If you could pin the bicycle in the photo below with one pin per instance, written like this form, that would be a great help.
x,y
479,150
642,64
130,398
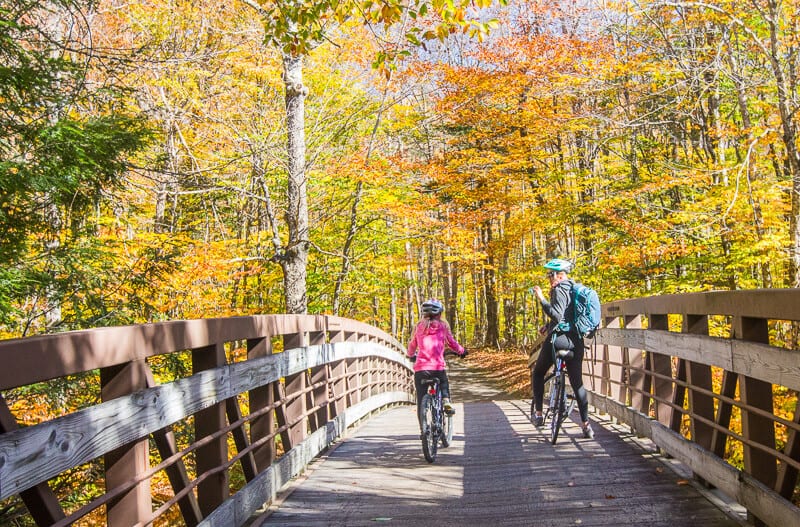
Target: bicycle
x,y
436,425
561,403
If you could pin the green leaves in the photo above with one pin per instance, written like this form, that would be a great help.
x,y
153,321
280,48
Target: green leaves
x,y
298,27
56,155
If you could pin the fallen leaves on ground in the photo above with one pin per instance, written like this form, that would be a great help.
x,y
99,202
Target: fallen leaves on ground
x,y
507,368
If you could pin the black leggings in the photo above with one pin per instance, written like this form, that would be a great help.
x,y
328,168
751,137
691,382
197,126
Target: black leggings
x,y
419,376
545,361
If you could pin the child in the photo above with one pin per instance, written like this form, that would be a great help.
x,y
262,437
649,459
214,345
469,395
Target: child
x,y
431,336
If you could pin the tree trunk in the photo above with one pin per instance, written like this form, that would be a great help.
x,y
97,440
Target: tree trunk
x,y
348,244
393,313
478,331
450,283
295,258
490,291
789,135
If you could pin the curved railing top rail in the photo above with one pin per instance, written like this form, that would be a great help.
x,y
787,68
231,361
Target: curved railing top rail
x,y
39,358
773,304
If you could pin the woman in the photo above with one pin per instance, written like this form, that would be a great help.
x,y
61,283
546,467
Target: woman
x,y
562,336
427,345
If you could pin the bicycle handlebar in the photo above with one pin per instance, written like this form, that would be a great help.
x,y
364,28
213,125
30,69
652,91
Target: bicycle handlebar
x,y
448,351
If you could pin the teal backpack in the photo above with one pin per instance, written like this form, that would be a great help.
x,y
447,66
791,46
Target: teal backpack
x,y
586,307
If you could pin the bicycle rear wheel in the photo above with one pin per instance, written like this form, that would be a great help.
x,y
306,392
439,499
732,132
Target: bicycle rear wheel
x,y
430,434
447,433
558,409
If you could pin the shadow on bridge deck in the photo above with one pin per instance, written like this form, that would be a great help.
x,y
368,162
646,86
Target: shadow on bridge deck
x,y
500,470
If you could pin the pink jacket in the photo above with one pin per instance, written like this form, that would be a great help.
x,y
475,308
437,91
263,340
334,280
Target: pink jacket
x,y
429,342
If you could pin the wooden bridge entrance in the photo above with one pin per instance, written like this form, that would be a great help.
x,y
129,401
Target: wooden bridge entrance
x,y
500,470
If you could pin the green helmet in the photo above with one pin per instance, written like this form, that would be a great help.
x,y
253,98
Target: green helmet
x,y
557,264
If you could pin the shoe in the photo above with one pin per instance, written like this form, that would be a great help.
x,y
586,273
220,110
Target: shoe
x,y
538,420
448,408
588,433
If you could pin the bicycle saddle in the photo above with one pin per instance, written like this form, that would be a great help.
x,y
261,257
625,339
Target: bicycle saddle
x,y
426,382
565,354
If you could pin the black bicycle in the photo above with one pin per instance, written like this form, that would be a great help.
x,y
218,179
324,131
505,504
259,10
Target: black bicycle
x,y
561,401
436,425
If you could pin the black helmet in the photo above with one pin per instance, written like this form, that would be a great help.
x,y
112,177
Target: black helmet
x,y
432,307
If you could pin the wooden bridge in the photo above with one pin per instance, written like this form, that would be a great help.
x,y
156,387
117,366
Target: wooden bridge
x,y
267,394
499,470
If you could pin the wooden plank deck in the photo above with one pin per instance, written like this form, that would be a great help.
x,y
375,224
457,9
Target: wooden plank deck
x,y
500,470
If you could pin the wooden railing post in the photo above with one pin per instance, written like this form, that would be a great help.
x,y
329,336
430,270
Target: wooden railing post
x,y
367,375
661,366
353,369
368,372
319,395
126,463
295,385
212,491
338,371
755,393
260,398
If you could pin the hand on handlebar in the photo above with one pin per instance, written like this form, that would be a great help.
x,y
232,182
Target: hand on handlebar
x,y
413,358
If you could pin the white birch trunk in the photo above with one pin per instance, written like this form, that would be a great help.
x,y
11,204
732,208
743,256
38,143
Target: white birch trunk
x,y
295,259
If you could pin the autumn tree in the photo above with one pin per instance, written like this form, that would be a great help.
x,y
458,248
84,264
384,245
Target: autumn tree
x,y
296,28
64,141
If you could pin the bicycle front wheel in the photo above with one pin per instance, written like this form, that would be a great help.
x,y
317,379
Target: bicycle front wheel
x,y
430,433
558,410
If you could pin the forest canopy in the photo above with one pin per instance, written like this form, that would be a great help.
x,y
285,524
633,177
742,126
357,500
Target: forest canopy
x,y
449,149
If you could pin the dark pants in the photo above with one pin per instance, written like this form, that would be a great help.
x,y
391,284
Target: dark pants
x,y
545,361
419,376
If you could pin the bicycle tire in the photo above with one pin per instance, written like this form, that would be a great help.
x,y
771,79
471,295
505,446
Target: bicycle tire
x,y
430,436
558,411
551,400
447,433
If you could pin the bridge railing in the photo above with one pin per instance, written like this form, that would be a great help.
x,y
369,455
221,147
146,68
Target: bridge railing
x,y
710,377
222,437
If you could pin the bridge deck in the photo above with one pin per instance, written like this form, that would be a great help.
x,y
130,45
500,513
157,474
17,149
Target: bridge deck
x,y
499,470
